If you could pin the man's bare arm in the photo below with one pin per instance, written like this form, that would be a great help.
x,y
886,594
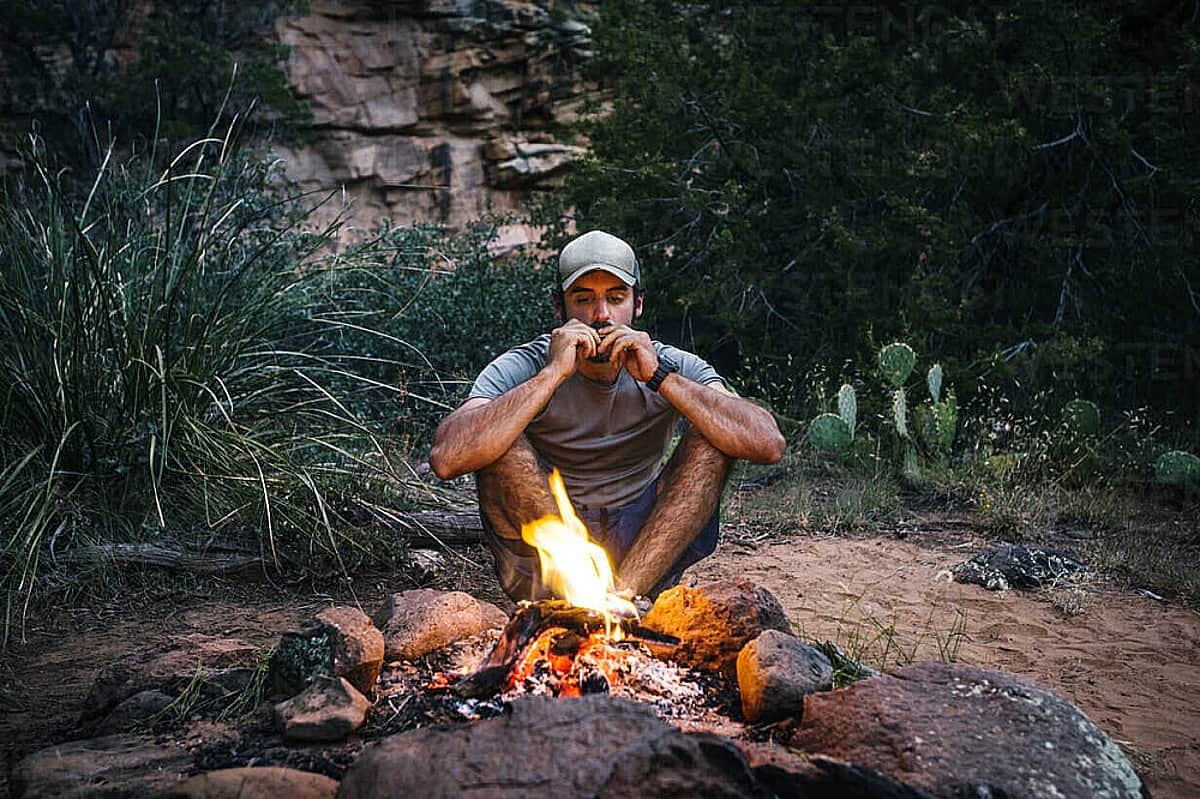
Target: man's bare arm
x,y
482,430
735,426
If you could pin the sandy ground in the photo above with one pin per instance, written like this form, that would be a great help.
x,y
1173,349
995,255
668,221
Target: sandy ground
x,y
1131,663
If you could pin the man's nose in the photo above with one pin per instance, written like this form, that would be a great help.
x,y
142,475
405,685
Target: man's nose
x,y
600,311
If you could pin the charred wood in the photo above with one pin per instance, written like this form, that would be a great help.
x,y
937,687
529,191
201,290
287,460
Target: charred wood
x,y
529,622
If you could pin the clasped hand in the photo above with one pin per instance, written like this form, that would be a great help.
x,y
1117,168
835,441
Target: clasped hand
x,y
622,344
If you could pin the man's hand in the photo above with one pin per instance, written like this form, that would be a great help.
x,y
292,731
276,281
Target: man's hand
x,y
568,343
630,348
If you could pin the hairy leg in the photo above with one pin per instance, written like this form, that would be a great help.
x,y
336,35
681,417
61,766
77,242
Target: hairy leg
x,y
688,494
514,489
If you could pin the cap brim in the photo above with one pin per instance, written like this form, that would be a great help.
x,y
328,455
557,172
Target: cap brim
x,y
625,277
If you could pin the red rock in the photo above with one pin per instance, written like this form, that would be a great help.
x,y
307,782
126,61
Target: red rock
x,y
249,783
417,622
339,642
775,672
714,621
151,668
955,730
114,765
595,747
329,709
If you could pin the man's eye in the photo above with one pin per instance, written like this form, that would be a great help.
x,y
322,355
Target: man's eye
x,y
616,298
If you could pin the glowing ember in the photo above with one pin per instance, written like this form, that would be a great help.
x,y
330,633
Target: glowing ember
x,y
572,566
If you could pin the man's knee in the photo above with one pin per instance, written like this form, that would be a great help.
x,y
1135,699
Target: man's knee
x,y
696,460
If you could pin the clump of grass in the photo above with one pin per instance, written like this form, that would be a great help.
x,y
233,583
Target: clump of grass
x,y
817,494
865,638
168,368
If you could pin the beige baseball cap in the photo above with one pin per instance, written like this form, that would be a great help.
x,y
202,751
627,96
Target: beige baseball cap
x,y
598,250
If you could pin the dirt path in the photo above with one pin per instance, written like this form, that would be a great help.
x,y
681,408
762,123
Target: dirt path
x,y
1131,663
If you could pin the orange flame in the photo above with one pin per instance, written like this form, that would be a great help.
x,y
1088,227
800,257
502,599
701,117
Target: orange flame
x,y
572,566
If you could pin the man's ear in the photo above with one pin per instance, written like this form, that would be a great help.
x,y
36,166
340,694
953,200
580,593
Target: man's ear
x,y
637,304
559,310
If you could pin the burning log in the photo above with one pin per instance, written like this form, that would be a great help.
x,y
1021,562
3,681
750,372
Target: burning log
x,y
566,631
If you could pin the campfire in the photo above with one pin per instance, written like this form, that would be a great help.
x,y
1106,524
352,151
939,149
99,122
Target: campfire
x,y
590,641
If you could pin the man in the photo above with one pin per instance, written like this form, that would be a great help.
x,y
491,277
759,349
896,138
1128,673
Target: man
x,y
598,400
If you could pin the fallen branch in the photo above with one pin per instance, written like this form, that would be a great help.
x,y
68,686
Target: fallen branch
x,y
442,526
166,555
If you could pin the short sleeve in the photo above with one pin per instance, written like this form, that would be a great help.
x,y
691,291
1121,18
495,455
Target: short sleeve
x,y
693,367
511,369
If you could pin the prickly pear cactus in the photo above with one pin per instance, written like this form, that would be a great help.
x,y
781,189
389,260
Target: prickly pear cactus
x,y
848,407
911,471
900,411
1177,468
946,421
896,362
1081,417
828,432
934,381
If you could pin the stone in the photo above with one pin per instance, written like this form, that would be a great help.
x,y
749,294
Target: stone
x,y
1016,566
414,623
110,766
775,672
139,710
957,731
534,164
339,642
246,783
150,668
714,621
594,746
329,709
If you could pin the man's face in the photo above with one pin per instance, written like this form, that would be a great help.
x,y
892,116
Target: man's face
x,y
600,299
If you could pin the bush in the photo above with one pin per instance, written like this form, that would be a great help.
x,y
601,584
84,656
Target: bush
x,y
811,184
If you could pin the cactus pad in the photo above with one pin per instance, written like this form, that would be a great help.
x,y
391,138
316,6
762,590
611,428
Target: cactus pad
x,y
934,381
896,362
1081,417
1177,468
829,433
848,407
900,412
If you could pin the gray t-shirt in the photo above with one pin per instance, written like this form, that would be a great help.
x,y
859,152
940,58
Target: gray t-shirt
x,y
607,440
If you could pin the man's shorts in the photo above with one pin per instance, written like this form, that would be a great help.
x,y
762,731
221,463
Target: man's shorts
x,y
615,530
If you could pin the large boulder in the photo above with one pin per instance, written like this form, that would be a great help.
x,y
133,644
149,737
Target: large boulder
x,y
247,783
775,672
414,623
957,731
339,642
595,747
714,621
111,766
329,709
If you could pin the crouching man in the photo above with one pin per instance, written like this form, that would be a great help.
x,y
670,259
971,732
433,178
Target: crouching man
x,y
598,400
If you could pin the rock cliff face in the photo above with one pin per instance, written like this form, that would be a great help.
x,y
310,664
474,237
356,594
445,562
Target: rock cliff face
x,y
435,110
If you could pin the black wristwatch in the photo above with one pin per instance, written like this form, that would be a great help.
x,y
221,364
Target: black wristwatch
x,y
665,368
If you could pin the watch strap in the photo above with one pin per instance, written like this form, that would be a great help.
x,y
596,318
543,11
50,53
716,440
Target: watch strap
x,y
660,374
